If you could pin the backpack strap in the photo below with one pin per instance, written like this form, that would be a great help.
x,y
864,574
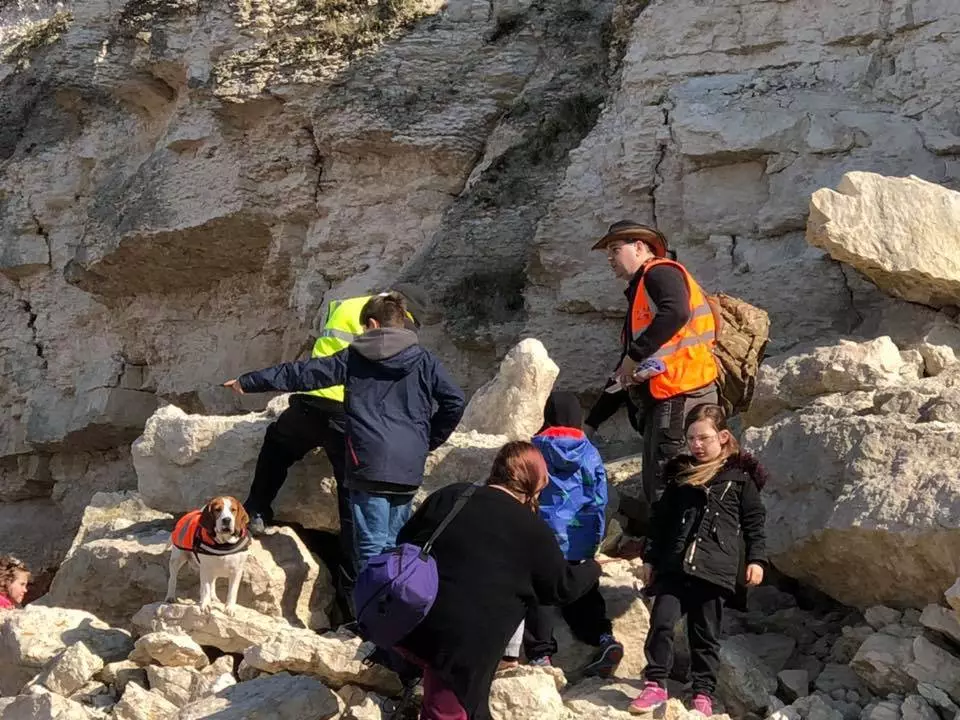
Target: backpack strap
x,y
458,506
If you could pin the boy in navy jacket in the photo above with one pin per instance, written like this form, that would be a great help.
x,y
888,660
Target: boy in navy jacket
x,y
391,385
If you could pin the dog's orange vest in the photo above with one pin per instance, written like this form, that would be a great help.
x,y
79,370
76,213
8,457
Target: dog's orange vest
x,y
188,534
191,536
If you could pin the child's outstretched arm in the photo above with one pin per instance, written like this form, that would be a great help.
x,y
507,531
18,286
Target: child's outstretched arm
x,y
311,374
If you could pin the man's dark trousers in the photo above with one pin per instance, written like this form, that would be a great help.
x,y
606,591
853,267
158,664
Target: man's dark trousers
x,y
662,424
308,423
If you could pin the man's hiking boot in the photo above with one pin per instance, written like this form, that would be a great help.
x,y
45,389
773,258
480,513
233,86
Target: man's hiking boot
x,y
607,659
257,526
544,661
651,699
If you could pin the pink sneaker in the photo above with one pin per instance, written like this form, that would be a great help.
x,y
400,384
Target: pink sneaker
x,y
652,697
703,703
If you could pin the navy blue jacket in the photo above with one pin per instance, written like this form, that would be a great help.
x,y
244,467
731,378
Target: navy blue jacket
x,y
391,386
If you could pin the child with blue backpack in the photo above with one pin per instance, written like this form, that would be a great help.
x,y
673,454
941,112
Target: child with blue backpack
x,y
574,505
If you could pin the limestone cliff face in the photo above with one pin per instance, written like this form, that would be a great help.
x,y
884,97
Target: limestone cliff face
x,y
726,118
184,184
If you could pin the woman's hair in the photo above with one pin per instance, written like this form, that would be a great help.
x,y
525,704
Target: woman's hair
x,y
9,567
520,468
702,473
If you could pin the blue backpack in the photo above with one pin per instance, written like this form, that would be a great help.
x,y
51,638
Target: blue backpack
x,y
396,589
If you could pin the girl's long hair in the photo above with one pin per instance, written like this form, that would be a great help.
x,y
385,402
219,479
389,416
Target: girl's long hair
x,y
702,473
9,567
520,468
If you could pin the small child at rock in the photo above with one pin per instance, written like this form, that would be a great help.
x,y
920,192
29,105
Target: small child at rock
x,y
14,578
574,505
694,553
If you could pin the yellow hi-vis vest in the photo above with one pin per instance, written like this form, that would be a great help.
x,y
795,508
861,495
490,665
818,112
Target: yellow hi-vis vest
x,y
341,328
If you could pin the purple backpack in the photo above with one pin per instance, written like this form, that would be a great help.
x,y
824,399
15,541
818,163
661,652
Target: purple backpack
x,y
397,588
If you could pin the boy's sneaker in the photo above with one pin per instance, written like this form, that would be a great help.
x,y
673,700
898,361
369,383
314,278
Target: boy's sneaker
x,y
257,526
652,698
703,703
541,662
607,659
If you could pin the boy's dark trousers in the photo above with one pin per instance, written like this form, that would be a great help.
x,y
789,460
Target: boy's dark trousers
x,y
586,616
304,426
702,603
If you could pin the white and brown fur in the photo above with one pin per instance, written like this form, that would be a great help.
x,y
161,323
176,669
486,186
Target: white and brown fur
x,y
226,521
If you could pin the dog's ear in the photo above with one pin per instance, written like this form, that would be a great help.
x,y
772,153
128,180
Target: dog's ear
x,y
242,519
208,517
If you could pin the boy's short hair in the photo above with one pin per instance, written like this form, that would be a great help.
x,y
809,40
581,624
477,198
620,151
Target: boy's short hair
x,y
388,309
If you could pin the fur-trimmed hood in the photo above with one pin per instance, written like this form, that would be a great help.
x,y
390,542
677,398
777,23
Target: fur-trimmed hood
x,y
743,461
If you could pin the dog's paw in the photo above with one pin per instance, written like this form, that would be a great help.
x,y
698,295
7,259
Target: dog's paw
x,y
230,609
206,607
168,599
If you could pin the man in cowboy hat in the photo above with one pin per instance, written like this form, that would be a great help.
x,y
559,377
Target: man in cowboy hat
x,y
666,365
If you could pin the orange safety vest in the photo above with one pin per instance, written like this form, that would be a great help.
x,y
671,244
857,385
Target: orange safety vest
x,y
688,355
189,535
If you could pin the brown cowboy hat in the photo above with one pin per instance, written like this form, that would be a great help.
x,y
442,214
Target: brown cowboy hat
x,y
630,231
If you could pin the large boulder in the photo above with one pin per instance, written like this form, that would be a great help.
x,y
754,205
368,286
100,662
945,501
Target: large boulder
x,y
902,233
280,697
464,457
170,649
600,699
792,381
864,501
272,645
140,704
119,562
512,403
31,637
941,620
934,665
527,692
183,685
881,662
744,682
215,628
335,657
183,460
620,587
71,669
46,706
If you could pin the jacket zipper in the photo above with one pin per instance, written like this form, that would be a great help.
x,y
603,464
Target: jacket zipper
x,y
691,553
353,454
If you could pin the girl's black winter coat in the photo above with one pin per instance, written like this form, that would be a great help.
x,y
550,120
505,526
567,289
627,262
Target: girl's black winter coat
x,y
703,531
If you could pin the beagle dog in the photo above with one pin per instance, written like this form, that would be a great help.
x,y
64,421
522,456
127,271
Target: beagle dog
x,y
216,541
